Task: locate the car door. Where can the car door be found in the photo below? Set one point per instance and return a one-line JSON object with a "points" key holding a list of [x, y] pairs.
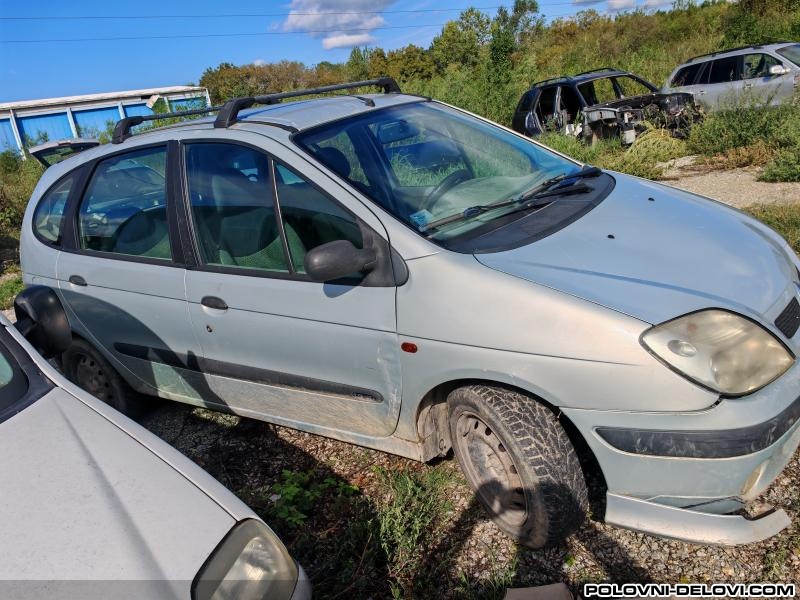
{"points": [[762, 85], [723, 83], [120, 273], [276, 345]]}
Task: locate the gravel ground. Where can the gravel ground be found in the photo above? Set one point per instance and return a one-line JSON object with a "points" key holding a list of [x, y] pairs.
{"points": [[737, 187], [468, 556]]}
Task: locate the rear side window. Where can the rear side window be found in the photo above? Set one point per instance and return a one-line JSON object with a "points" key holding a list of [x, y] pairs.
{"points": [[724, 70], [758, 65], [124, 208], [546, 107], [686, 76], [48, 218], [230, 190]]}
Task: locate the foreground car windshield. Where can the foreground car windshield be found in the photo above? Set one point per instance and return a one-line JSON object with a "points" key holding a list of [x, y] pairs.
{"points": [[13, 384], [423, 162]]}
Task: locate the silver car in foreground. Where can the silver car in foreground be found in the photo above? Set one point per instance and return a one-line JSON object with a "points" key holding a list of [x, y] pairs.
{"points": [[752, 74], [95, 506], [397, 273]]}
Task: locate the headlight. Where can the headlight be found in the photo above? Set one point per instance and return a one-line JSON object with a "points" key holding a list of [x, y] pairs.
{"points": [[251, 563], [719, 350]]}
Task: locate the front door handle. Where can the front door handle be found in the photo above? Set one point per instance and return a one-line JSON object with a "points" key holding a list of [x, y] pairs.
{"points": [[77, 280], [214, 302]]}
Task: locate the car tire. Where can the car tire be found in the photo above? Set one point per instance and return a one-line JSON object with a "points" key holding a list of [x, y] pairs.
{"points": [[520, 463], [87, 368]]}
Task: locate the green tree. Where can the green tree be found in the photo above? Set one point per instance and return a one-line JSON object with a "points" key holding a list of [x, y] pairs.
{"points": [[461, 41]]}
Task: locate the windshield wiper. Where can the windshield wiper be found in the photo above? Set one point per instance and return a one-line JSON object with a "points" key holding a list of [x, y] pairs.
{"points": [[539, 191]]}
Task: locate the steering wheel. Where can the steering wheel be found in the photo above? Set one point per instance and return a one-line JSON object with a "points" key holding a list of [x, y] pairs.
{"points": [[444, 186]]}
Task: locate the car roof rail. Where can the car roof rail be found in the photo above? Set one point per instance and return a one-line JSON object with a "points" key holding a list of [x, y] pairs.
{"points": [[599, 70], [551, 80], [737, 49], [122, 130], [229, 112]]}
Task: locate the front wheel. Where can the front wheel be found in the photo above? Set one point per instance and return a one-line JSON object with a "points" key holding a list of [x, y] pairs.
{"points": [[520, 463]]}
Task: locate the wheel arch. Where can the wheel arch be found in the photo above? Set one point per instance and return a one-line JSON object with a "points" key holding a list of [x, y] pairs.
{"points": [[431, 422]]}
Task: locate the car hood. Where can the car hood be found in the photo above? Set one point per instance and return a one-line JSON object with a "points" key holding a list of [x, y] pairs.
{"points": [[655, 252], [665, 100], [84, 500]]}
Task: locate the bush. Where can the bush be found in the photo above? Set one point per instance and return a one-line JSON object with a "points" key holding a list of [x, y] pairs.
{"points": [[784, 167], [18, 177]]}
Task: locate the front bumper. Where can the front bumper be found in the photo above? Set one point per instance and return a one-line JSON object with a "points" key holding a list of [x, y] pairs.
{"points": [[674, 474]]}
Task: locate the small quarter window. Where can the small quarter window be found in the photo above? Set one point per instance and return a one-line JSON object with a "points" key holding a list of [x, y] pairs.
{"points": [[48, 218], [686, 75], [124, 208]]}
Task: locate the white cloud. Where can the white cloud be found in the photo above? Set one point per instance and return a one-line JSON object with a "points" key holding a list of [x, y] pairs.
{"points": [[336, 20], [585, 2], [259, 62], [656, 3], [620, 5], [347, 40]]}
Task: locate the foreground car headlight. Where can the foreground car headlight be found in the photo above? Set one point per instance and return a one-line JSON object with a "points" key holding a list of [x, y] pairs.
{"points": [[251, 563], [719, 350]]}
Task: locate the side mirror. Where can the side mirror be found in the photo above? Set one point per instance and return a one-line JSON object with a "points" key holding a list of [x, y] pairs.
{"points": [[778, 70], [338, 259], [42, 320]]}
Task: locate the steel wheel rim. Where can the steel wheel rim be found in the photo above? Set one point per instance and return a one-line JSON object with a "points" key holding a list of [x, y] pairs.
{"points": [[90, 376], [491, 470]]}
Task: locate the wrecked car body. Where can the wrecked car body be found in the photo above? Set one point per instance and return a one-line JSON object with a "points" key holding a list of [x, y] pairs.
{"points": [[602, 104]]}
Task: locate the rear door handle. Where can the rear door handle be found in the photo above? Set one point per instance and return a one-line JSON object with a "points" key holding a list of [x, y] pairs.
{"points": [[77, 280], [214, 302]]}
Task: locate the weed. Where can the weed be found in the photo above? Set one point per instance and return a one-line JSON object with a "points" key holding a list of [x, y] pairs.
{"points": [[410, 520], [9, 288], [296, 494], [783, 218], [784, 166]]}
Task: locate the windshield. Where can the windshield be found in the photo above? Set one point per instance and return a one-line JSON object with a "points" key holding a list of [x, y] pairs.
{"points": [[792, 53], [425, 161]]}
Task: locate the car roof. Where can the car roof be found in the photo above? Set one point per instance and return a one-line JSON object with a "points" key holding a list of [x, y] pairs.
{"points": [[298, 115], [582, 77], [737, 51]]}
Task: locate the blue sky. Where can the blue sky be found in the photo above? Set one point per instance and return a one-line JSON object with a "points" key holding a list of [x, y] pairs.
{"points": [[52, 68]]}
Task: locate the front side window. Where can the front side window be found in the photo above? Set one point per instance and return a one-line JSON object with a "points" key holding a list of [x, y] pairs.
{"points": [[230, 191], [758, 65], [48, 218], [791, 52], [632, 87], [310, 218], [598, 91], [433, 161], [724, 70], [124, 208]]}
